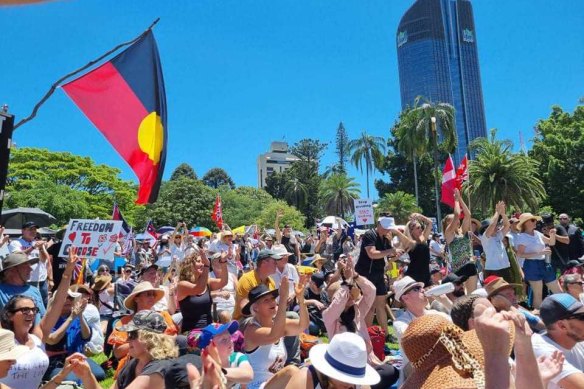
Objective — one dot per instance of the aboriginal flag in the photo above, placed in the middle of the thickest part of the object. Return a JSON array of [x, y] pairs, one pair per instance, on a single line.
[[125, 99]]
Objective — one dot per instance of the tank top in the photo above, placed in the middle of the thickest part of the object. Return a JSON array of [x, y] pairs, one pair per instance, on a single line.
[[419, 267], [266, 361], [196, 311], [460, 251]]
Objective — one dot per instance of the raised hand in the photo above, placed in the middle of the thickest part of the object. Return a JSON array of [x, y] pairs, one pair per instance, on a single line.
[[500, 208], [301, 285], [550, 366]]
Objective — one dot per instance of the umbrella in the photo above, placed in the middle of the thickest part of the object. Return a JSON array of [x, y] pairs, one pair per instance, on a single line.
[[333, 221], [200, 231], [165, 229], [239, 230], [15, 218]]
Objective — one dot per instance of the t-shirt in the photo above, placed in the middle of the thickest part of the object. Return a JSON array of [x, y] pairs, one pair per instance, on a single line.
[[365, 265], [29, 369], [290, 243], [91, 316], [561, 251], [128, 372], [58, 263], [533, 243], [246, 283], [574, 358], [7, 291], [292, 275], [176, 372], [39, 269], [495, 253]]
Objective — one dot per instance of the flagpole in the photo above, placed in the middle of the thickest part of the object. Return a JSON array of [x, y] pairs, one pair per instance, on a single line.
[[55, 85]]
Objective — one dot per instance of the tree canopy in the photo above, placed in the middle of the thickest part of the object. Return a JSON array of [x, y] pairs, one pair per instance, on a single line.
[[183, 170], [217, 177]]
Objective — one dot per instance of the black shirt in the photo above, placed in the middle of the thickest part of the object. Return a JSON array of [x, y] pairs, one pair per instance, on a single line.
[[128, 372], [365, 265], [291, 247], [561, 251], [58, 263]]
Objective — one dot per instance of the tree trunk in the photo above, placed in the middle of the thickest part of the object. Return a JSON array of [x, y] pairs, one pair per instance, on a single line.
[[415, 178], [436, 189], [367, 173]]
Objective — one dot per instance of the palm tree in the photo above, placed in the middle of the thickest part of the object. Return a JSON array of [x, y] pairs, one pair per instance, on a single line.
[[296, 191], [499, 174], [368, 150], [408, 144], [434, 133], [337, 193], [399, 204]]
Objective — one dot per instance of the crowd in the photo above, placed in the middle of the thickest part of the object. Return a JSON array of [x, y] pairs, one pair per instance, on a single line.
[[492, 304]]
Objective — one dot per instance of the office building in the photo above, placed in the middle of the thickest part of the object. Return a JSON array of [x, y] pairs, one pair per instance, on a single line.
[[274, 161]]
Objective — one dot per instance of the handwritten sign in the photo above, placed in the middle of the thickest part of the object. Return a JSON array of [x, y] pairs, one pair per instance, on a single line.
[[91, 238], [363, 212]]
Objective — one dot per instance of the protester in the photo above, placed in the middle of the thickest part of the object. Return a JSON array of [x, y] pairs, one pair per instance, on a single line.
[[492, 235], [437, 250], [103, 297], [316, 300], [576, 239], [418, 230], [225, 244], [287, 239], [223, 298], [572, 284], [168, 302]]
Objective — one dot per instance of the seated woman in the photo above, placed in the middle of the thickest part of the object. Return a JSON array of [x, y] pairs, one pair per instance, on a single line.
[[340, 364], [150, 349], [194, 290], [351, 299], [265, 330]]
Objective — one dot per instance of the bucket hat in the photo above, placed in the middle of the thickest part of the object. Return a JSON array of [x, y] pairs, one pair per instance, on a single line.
[[16, 258], [257, 293]]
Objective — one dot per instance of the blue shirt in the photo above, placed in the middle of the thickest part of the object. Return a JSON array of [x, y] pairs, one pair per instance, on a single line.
[[8, 291]]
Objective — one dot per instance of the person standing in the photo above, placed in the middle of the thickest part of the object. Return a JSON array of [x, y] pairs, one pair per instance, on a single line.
[[497, 262], [287, 239], [576, 249]]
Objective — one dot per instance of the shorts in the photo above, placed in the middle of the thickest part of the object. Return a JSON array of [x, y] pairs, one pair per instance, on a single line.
[[467, 270], [537, 270], [378, 280]]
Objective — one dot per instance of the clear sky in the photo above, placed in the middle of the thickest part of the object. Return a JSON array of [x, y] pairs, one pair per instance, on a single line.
[[241, 73]]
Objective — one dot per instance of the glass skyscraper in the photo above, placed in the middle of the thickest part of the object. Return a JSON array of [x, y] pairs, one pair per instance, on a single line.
[[438, 59]]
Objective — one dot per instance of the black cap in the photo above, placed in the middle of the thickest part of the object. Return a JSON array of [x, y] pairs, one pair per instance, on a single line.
[[29, 225], [317, 278], [573, 263], [452, 277], [559, 306], [255, 294]]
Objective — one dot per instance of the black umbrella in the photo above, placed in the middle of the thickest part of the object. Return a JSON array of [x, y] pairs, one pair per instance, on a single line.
[[15, 218]]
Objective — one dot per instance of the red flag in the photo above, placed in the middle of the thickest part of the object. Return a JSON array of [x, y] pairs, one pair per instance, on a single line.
[[462, 173], [125, 99], [217, 215], [448, 183], [150, 230], [117, 215]]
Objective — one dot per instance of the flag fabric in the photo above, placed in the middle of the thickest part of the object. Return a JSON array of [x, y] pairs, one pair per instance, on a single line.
[[125, 99], [217, 215], [150, 230], [448, 183], [117, 215], [79, 271], [462, 173]]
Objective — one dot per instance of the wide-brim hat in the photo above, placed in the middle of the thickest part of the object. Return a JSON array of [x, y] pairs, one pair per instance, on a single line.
[[101, 282], [525, 217], [8, 349], [475, 221], [17, 258], [344, 359], [144, 286], [281, 250], [424, 343], [78, 288], [402, 286], [497, 284], [257, 293]]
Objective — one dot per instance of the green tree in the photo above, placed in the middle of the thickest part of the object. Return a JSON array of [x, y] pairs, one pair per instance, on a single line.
[[337, 192], [185, 200], [292, 216], [276, 185], [367, 150], [243, 205], [183, 170], [408, 142], [296, 191], [309, 151], [558, 146], [499, 174], [217, 177], [342, 149], [399, 204]]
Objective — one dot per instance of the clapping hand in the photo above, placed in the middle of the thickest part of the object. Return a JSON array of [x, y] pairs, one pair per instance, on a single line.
[[550, 366], [301, 285], [500, 208]]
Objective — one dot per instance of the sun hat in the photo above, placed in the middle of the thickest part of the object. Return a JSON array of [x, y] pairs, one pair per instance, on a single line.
[[16, 258], [281, 250], [344, 359], [255, 294], [312, 260], [494, 284], [78, 288], [559, 306], [8, 349], [143, 286], [101, 282], [404, 285], [208, 333], [146, 320], [525, 217], [443, 355], [386, 222], [226, 233]]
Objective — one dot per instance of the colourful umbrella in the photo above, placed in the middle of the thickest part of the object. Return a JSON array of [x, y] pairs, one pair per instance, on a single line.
[[200, 231]]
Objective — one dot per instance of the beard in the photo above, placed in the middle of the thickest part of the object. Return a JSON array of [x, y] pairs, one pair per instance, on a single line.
[[458, 292]]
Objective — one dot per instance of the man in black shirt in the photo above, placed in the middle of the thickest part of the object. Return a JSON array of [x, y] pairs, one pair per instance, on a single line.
[[375, 247], [576, 248], [287, 239]]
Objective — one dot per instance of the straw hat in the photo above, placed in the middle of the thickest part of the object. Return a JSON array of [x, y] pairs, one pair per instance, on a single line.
[[9, 351], [101, 282], [402, 286], [426, 343], [143, 286], [525, 217]]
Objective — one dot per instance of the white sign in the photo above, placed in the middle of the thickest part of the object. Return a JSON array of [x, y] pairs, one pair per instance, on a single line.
[[91, 238], [364, 212]]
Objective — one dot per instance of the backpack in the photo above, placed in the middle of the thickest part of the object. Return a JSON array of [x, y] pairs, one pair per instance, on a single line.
[[377, 337], [306, 343]]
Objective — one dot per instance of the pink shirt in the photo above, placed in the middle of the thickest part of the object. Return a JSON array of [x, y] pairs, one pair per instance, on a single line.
[[332, 314]]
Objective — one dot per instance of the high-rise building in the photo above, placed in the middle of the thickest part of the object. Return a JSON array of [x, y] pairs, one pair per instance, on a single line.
[[438, 59], [274, 161]]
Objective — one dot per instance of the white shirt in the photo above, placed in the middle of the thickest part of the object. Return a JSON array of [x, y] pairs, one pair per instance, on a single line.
[[162, 304], [289, 272], [29, 369], [495, 252], [435, 246], [218, 246], [39, 269], [91, 316], [533, 244], [574, 358]]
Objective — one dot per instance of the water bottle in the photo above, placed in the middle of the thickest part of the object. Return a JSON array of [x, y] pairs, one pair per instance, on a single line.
[[445, 288], [548, 259]]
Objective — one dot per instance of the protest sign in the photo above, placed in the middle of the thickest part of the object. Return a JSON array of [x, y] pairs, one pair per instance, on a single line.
[[91, 238], [363, 212]]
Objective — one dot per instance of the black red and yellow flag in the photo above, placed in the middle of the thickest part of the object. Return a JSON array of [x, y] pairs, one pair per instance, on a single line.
[[125, 99]]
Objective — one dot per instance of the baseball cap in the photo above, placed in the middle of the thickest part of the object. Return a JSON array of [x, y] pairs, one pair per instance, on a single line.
[[452, 277], [263, 254], [386, 222], [29, 225], [573, 263], [214, 329], [317, 278], [146, 320], [559, 306]]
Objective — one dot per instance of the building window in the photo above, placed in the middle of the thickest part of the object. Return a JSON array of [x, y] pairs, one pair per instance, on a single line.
[[467, 35], [402, 38]]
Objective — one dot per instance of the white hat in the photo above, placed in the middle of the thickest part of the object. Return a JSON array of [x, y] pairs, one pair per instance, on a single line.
[[386, 222], [344, 359], [281, 250], [8, 348], [402, 286]]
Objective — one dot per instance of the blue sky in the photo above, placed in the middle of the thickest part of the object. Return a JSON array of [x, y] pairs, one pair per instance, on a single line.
[[242, 73]]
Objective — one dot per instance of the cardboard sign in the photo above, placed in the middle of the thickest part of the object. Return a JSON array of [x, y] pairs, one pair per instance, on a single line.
[[364, 212], [91, 238]]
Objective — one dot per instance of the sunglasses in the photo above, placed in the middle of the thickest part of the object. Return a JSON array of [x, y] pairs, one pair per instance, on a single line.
[[576, 283], [415, 289], [102, 270], [27, 310], [147, 294], [133, 335]]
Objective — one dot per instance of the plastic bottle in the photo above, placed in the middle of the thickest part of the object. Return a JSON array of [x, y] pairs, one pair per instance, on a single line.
[[445, 288]]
